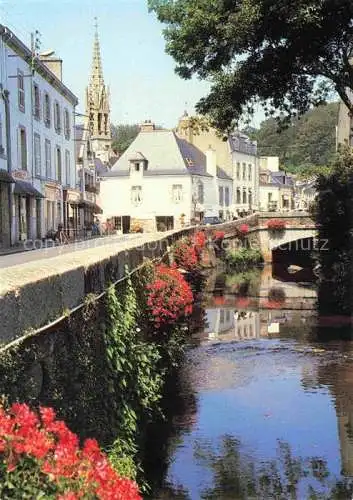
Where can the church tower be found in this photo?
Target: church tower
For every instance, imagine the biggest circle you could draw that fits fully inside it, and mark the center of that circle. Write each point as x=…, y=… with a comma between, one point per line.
x=98, y=107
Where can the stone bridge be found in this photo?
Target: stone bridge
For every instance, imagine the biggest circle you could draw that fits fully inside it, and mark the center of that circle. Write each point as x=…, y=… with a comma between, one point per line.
x=298, y=235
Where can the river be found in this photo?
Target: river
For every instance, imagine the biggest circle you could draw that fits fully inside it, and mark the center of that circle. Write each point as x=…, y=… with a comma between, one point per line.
x=264, y=408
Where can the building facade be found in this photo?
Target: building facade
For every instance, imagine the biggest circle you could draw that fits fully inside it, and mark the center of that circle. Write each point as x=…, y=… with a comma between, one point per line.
x=37, y=118
x=276, y=188
x=245, y=174
x=163, y=182
x=237, y=155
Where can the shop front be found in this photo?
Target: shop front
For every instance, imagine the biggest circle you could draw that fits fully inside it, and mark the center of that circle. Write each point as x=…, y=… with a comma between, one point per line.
x=89, y=212
x=52, y=208
x=26, y=216
x=6, y=180
x=72, y=200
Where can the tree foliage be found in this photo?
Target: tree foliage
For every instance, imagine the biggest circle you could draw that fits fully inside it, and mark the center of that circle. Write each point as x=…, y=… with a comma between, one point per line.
x=287, y=55
x=306, y=143
x=123, y=135
x=333, y=213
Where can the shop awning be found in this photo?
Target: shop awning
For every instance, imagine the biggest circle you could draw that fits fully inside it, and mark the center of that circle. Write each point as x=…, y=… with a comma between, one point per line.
x=96, y=209
x=5, y=176
x=23, y=188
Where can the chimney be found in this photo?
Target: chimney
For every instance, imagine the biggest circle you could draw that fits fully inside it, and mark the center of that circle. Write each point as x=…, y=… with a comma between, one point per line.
x=211, y=163
x=147, y=126
x=54, y=64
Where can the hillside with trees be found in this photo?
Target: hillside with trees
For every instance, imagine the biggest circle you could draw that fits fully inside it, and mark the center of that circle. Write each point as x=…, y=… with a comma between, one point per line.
x=307, y=143
x=122, y=136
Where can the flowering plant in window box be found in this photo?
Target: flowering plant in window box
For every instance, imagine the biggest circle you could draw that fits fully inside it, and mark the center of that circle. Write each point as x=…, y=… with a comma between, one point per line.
x=243, y=229
x=218, y=236
x=276, y=225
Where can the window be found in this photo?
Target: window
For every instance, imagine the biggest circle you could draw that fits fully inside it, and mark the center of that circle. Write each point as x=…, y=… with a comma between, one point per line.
x=220, y=195
x=136, y=195
x=200, y=192
x=250, y=198
x=21, y=90
x=177, y=193
x=250, y=172
x=22, y=150
x=46, y=111
x=137, y=167
x=244, y=171
x=37, y=156
x=226, y=196
x=48, y=173
x=57, y=118
x=2, y=149
x=269, y=196
x=58, y=164
x=222, y=316
x=238, y=171
x=244, y=196
x=238, y=197
x=67, y=167
x=67, y=124
x=36, y=102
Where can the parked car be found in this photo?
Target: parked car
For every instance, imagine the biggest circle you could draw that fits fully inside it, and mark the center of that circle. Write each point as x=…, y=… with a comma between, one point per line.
x=210, y=221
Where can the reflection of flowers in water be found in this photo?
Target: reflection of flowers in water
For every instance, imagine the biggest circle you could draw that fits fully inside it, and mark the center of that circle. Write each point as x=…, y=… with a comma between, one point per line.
x=242, y=302
x=219, y=300
x=272, y=304
x=276, y=294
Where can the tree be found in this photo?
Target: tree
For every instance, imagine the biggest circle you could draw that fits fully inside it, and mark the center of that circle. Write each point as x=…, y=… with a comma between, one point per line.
x=333, y=213
x=122, y=136
x=287, y=55
x=306, y=143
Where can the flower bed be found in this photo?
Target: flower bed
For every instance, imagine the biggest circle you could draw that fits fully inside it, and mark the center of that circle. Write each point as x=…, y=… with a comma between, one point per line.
x=276, y=224
x=169, y=296
x=41, y=458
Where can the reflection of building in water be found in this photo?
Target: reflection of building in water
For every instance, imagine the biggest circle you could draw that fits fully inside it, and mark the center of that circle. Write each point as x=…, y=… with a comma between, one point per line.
x=232, y=325
x=247, y=325
x=219, y=321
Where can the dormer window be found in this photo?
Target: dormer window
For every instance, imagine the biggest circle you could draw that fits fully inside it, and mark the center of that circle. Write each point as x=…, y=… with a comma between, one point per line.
x=138, y=162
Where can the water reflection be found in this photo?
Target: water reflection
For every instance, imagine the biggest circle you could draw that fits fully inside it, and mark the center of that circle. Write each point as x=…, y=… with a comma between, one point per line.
x=274, y=401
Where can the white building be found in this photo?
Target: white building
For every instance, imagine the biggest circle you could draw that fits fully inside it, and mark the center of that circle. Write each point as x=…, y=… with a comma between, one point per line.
x=237, y=155
x=305, y=194
x=276, y=189
x=245, y=174
x=37, y=141
x=163, y=182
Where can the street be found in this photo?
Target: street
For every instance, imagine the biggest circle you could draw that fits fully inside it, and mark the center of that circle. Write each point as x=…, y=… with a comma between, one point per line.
x=50, y=252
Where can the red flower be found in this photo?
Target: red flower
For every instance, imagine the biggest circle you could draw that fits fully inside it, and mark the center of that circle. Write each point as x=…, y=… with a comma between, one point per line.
x=272, y=304
x=218, y=235
x=242, y=302
x=244, y=229
x=170, y=296
x=219, y=301
x=276, y=224
x=55, y=449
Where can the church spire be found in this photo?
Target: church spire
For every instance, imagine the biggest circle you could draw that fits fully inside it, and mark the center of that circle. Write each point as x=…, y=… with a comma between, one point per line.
x=98, y=105
x=97, y=73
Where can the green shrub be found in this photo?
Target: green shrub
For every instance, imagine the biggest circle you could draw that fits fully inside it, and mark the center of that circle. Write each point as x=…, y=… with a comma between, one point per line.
x=243, y=258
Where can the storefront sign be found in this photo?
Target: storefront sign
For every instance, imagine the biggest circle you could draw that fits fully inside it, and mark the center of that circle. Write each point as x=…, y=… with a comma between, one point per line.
x=71, y=196
x=20, y=174
x=52, y=193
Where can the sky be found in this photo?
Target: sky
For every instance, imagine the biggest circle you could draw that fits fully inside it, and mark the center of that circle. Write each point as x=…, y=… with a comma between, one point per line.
x=143, y=84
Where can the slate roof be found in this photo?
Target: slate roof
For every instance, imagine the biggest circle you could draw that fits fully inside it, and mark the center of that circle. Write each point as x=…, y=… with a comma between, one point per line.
x=167, y=154
x=276, y=179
